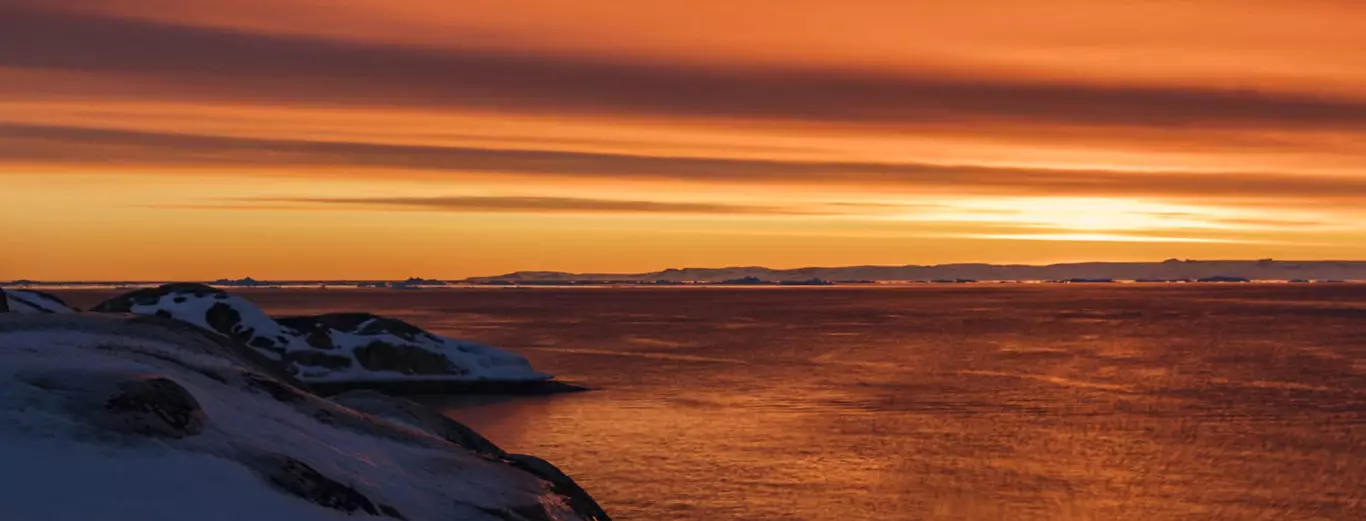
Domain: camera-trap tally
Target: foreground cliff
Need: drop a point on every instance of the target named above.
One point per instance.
(116, 416)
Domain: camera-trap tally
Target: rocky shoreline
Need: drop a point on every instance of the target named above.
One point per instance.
(329, 353)
(138, 385)
(450, 387)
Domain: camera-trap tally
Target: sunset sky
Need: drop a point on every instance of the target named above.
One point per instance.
(198, 139)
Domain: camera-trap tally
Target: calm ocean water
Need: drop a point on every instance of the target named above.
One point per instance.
(993, 402)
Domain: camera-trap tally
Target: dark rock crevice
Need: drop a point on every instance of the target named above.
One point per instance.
(560, 483)
(157, 407)
(27, 299)
(298, 479)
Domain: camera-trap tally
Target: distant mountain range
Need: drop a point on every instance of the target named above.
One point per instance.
(1168, 270)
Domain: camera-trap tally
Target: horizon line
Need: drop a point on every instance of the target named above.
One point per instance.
(22, 281)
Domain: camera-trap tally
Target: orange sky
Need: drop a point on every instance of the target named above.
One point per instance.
(192, 139)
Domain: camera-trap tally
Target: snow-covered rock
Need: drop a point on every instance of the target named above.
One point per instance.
(348, 348)
(384, 347)
(211, 309)
(27, 301)
(117, 417)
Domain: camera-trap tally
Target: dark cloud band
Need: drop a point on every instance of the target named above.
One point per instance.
(199, 62)
(481, 204)
(32, 144)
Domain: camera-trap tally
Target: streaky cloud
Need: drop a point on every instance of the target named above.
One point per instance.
(207, 63)
(513, 204)
(57, 145)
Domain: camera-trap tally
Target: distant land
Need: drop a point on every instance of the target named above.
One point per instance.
(1171, 270)
(1168, 270)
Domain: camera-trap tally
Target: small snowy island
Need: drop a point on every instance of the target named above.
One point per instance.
(184, 402)
(343, 351)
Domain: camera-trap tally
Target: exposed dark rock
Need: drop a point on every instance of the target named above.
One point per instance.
(320, 409)
(297, 478)
(224, 319)
(562, 484)
(321, 339)
(135, 403)
(221, 346)
(383, 356)
(157, 407)
(362, 342)
(316, 359)
(281, 392)
(398, 328)
(48, 297)
(417, 415)
(519, 513)
(325, 416)
(457, 433)
(151, 296)
(390, 511)
(30, 298)
(352, 322)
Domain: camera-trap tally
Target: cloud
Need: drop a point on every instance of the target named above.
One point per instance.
(210, 63)
(483, 204)
(51, 145)
(1103, 237)
(948, 228)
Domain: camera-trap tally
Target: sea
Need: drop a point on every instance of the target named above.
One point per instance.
(928, 402)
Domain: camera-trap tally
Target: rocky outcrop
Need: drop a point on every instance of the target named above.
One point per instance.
(423, 418)
(378, 355)
(387, 345)
(29, 301)
(126, 402)
(200, 431)
(336, 352)
(419, 417)
(209, 308)
(582, 503)
(297, 478)
(155, 406)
